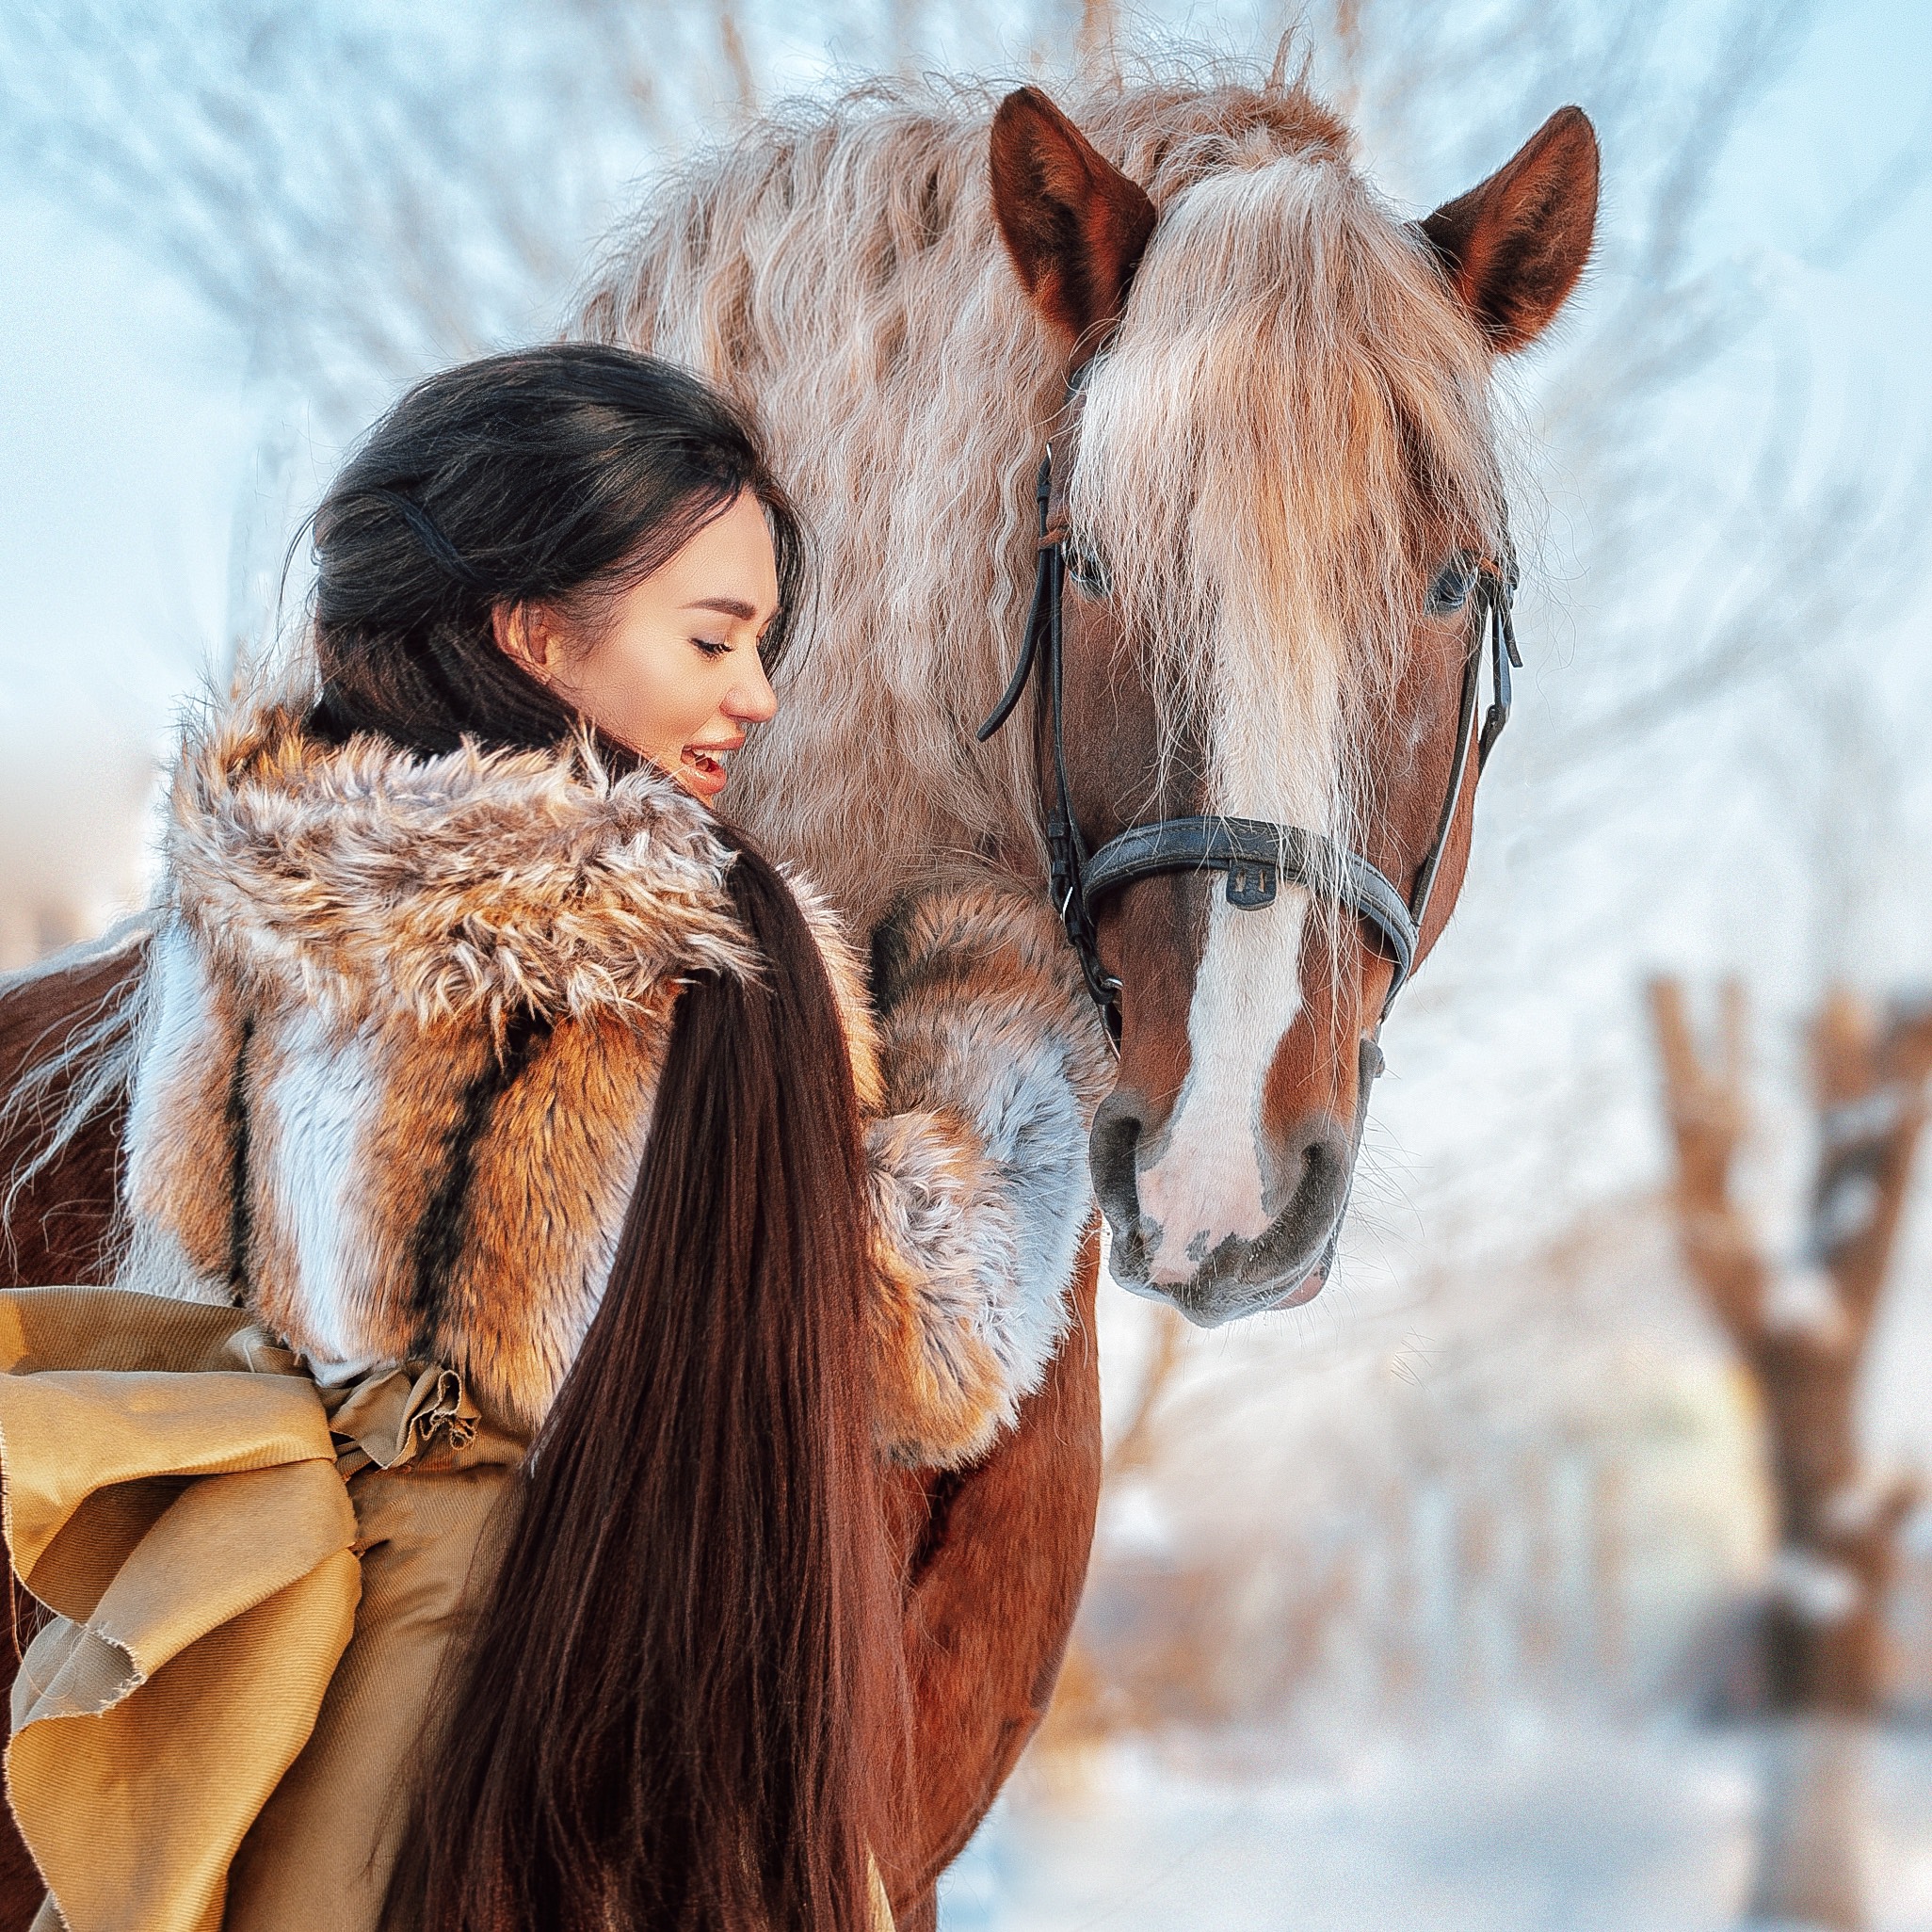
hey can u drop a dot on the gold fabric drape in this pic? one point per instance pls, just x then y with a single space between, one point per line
254 1580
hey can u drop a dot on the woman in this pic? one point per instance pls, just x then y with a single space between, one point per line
490 1095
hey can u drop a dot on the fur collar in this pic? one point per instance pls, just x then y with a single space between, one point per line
476 886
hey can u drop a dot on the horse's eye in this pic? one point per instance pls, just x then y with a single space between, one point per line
1086 573
1453 582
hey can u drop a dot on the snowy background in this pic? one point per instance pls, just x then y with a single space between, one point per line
1416 1606
1532 1824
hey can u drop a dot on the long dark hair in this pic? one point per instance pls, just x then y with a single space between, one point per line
680 1704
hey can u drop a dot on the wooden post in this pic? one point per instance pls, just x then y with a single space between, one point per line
1539 1625
1609 1557
1475 1582
1400 1610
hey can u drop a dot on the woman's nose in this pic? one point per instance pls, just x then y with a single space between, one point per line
751 701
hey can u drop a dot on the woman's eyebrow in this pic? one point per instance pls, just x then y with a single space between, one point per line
726 606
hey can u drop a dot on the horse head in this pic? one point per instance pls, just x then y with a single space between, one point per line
1274 501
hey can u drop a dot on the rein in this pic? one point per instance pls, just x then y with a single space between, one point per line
1256 854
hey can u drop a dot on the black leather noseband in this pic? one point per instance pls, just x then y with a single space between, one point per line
1257 855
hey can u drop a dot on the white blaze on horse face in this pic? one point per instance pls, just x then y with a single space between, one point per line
1207 1182
1247 487
1207 1176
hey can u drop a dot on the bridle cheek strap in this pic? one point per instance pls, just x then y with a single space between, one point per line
1256 855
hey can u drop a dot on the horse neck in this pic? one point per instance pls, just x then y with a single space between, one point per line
907 424
870 816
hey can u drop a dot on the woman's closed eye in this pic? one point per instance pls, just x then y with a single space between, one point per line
712 646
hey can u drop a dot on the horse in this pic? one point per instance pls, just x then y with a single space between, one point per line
1152 403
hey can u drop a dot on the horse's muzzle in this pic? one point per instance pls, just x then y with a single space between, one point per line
1283 1266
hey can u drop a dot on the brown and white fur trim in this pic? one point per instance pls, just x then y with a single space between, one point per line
400 1033
991 1052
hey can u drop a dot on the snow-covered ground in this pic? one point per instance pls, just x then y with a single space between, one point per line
1536 1824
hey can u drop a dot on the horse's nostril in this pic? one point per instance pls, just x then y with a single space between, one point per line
1319 1161
1110 1150
1324 1168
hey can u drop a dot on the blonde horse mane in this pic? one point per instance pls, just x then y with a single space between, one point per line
1290 417
65 1064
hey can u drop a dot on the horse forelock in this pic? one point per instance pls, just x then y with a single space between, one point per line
1289 419
1288 400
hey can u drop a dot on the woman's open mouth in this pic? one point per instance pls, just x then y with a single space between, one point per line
704 771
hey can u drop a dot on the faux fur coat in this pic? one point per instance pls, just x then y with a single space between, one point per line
400 1033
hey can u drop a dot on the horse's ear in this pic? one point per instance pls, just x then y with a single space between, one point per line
1074 224
1514 247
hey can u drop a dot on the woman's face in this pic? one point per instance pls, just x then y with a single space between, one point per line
676 674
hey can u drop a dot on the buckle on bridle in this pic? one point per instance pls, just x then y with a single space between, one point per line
1251 882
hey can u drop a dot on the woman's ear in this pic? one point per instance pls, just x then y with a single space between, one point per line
526 636
1513 246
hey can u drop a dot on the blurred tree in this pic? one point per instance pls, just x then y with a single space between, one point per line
1801 1333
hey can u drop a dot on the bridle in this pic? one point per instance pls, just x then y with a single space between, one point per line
1255 854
